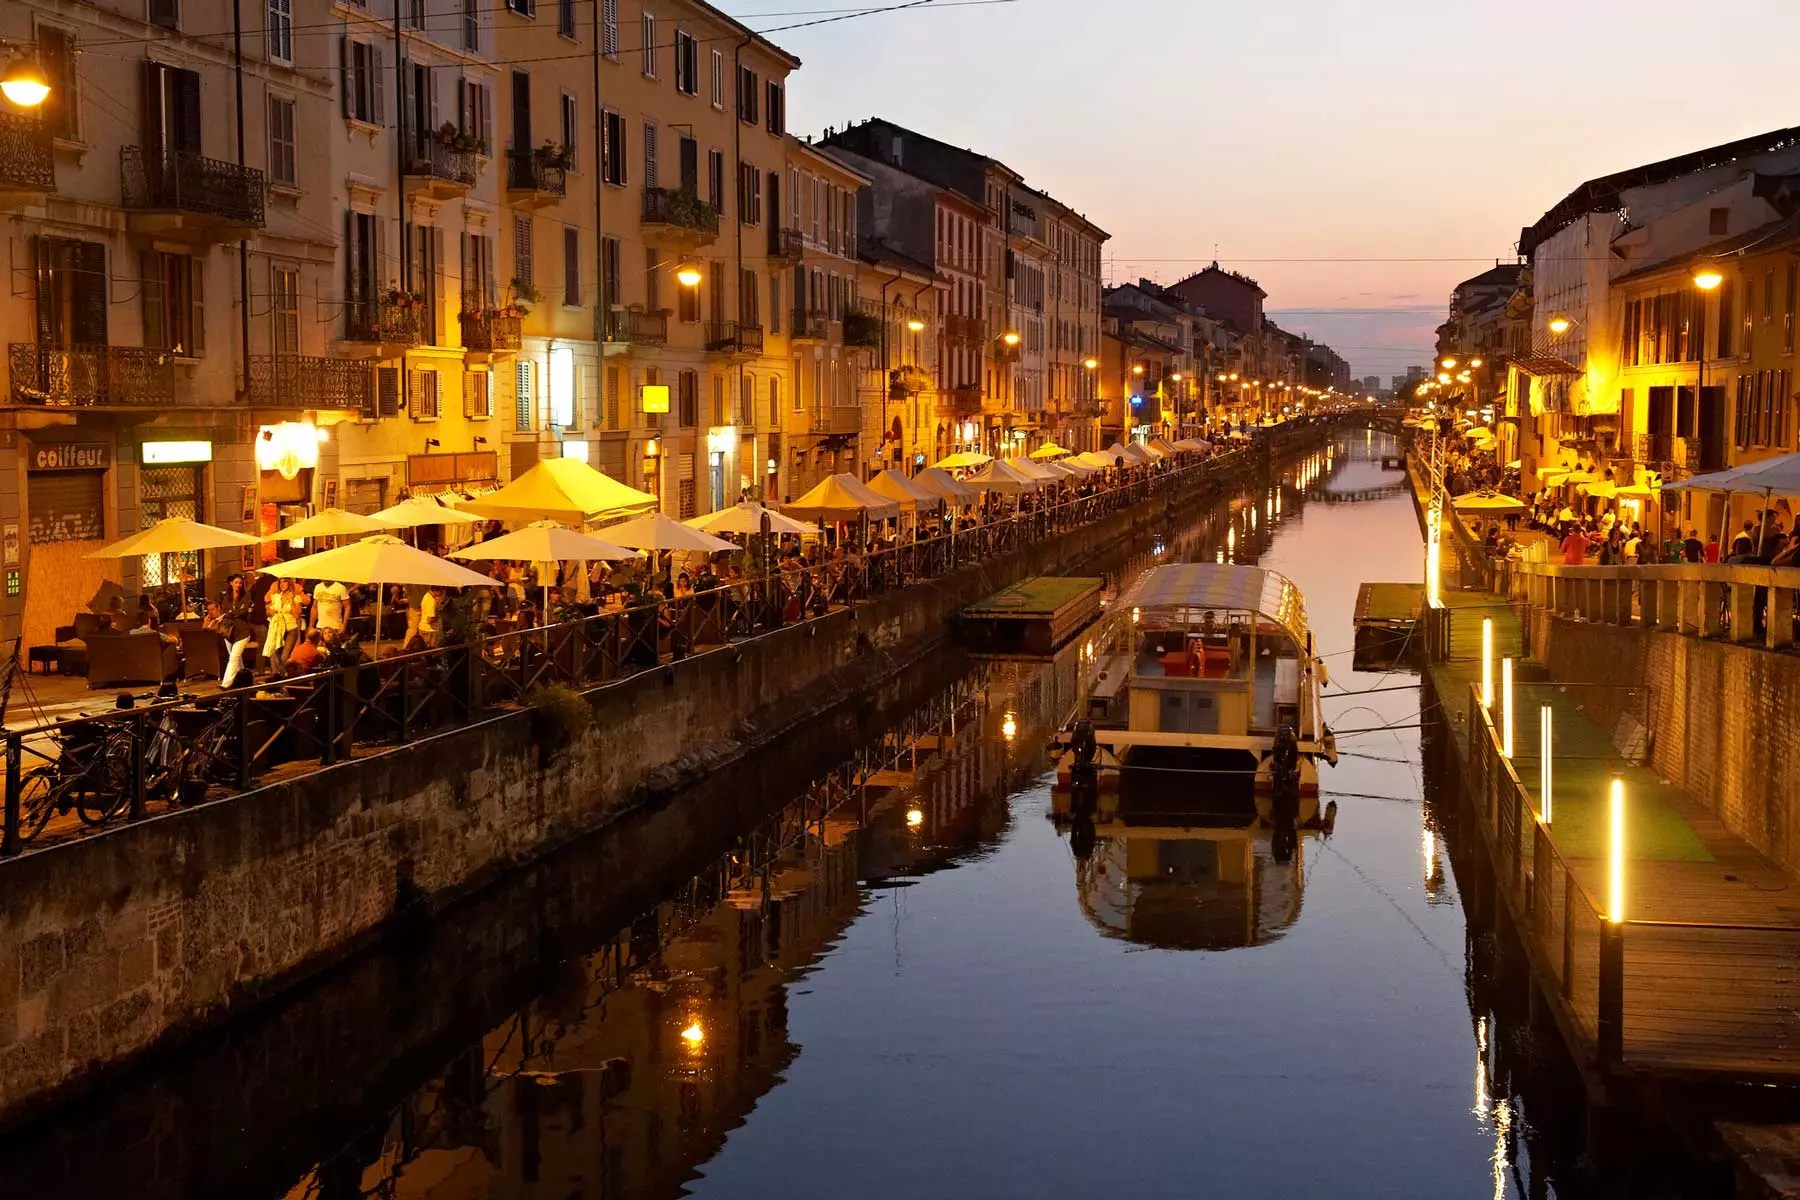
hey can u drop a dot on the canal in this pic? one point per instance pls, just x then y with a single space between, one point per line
906 983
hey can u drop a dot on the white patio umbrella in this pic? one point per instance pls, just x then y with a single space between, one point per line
422 510
176 535
1004 479
842 497
747 517
1049 450
659 531
545 541
963 458
560 489
1031 470
1487 502
380 559
331 522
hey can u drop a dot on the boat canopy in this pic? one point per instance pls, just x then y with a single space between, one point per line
1192 588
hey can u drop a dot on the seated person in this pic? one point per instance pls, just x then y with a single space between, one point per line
215 617
309 655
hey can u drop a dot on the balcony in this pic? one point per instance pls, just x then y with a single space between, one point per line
733 338
27 160
638 326
862 328
91 376
535 178
811 326
678 218
838 420
960 402
490 331
964 329
174 192
439 171
786 246
1670 451
309 381
385 327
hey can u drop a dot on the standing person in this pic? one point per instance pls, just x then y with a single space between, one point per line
428 615
1575 548
284 622
330 607
1633 546
1712 547
1693 548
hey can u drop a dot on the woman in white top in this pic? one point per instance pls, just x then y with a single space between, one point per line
284 621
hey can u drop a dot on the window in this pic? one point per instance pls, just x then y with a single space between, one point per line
718 404
471 26
649 155
715 179
281 141
687 64
571 128
360 66
475 112
1787 326
775 304
565 18
478 395
422 395
522 266
1718 221
777 106
562 387
280 30
612 148
56 55
609 29
747 297
284 310
613 400
362 260
172 303
648 33
687 306
749 194
522 395
572 266
653 278
687 405
775 401
718 78
525 8
610 290
749 95
166 13
478 289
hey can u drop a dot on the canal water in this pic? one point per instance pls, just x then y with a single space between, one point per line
906 983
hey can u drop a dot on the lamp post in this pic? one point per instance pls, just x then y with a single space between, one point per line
1707 279
24 83
1092 367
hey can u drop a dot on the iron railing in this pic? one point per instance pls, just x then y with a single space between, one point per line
733 337
311 381
490 332
532 171
812 325
191 183
837 418
639 326
27 153
431 159
386 321
681 208
786 245
91 376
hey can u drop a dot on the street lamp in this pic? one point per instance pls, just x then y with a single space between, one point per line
1560 325
1449 364
1707 279
24 82
688 275
1010 337
915 325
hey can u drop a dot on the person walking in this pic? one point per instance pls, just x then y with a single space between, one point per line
283 611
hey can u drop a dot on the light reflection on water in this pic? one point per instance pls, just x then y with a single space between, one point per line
925 993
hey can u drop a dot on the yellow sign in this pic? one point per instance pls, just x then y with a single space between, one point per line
654 397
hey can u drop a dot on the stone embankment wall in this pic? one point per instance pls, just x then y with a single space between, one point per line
1722 718
122 941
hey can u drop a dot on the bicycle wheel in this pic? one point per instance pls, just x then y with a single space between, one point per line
103 791
37 801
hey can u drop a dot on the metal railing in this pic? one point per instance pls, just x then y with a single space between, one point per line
1750 604
431 159
787 245
837 418
182 182
216 746
311 381
383 321
812 325
490 332
639 326
733 337
91 376
531 171
27 153
680 208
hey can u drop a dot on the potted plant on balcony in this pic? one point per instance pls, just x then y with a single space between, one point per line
447 134
861 329
522 291
552 156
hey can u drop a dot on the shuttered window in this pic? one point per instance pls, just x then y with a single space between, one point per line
422 399
478 399
387 391
572 266
522 395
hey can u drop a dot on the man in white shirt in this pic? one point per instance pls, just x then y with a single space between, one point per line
331 606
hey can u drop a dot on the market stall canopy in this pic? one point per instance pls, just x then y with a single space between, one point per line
910 496
332 522
934 479
1049 450
963 458
560 489
176 535
1004 479
545 541
1193 444
659 531
1098 459
1162 444
1599 488
1031 470
1073 469
1638 491
1487 502
1774 476
380 559
842 497
423 510
747 517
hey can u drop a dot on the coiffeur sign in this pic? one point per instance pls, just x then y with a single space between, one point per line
71 456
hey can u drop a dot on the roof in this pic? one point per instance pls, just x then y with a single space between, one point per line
1604 194
880 253
1233 276
1502 274
1545 366
829 161
753 37
1764 237
1219 586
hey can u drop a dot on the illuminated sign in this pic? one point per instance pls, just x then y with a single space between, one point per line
654 397
287 448
166 454
71 456
575 450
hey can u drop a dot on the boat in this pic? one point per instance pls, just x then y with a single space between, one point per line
1207 669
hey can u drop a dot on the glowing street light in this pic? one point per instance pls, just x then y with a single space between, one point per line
1706 279
1506 708
1449 364
694 1035
24 83
915 817
1615 879
916 325
1093 364
1560 325
1487 663
688 275
1010 337
1544 747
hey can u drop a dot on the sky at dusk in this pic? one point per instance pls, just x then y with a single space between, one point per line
1279 131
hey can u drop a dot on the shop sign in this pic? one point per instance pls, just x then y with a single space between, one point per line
71 456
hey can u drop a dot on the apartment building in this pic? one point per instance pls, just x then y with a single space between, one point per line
1073 319
170 232
899 386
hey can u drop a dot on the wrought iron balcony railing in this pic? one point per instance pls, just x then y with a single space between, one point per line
535 171
812 325
639 326
27 153
839 418
965 399
310 381
786 245
490 332
432 160
1672 450
680 208
91 376
962 328
386 321
175 181
733 337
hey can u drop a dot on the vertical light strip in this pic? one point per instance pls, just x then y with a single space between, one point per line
1506 708
1544 773
1616 849
1487 663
